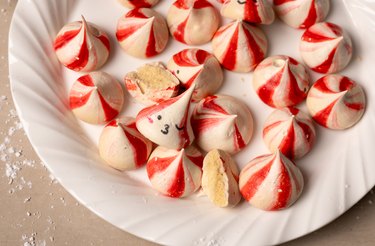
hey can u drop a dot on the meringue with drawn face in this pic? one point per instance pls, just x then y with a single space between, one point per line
167 123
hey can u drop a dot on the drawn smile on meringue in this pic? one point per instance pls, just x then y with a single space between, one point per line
179 128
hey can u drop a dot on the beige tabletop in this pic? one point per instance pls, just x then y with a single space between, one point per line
36 210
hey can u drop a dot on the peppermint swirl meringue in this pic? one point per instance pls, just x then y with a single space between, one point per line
239 46
258 12
336 102
167 123
326 48
142 33
196 67
122 146
133 4
96 98
220 179
222 122
271 182
82 46
302 14
281 81
151 83
175 173
289 130
193 22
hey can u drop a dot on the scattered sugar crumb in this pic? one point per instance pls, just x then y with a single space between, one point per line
28 199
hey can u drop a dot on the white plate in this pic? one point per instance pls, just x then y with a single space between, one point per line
338 172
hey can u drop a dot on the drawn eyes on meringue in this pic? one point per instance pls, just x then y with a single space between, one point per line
159 117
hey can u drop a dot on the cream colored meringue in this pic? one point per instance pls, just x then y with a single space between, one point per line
151 83
220 179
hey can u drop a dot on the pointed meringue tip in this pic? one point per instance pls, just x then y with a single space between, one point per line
233 116
278 153
84 20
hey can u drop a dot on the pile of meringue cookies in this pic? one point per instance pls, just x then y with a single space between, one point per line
187 149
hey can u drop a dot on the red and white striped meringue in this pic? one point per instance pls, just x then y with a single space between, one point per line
167 123
151 83
239 46
82 46
220 179
196 67
133 4
193 22
291 131
175 173
142 33
96 98
271 182
258 12
281 81
303 13
122 146
326 48
222 122
336 102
